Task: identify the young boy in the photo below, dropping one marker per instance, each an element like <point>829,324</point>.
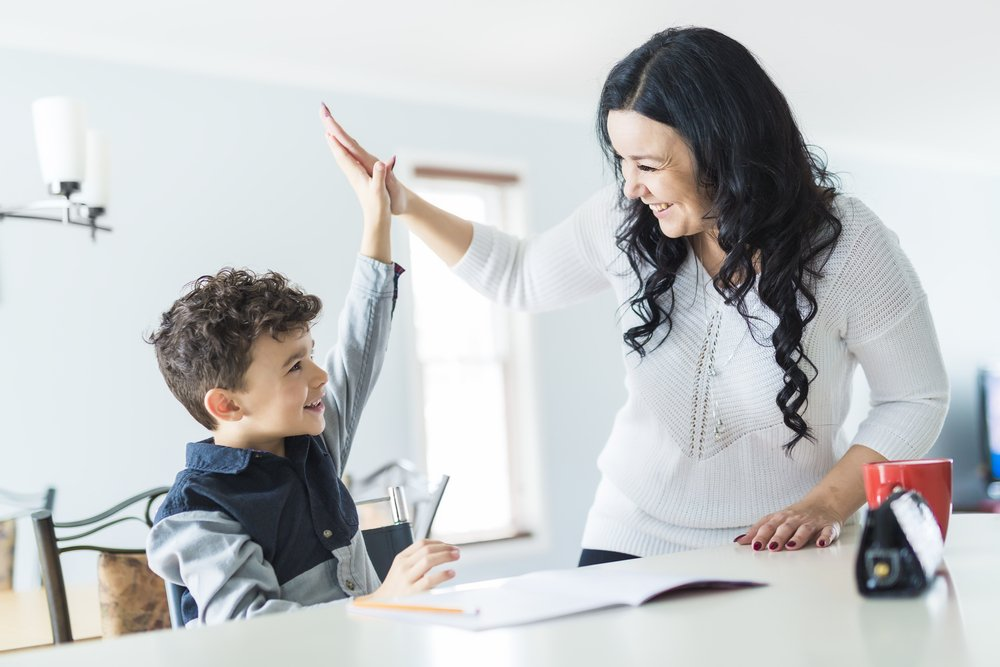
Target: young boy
<point>259,521</point>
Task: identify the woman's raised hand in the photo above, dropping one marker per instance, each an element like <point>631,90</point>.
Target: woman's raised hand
<point>411,569</point>
<point>339,138</point>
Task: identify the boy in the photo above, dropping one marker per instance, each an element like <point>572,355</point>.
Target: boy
<point>259,521</point>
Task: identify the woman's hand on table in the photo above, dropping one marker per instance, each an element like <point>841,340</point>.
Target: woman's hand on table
<point>794,527</point>
<point>411,570</point>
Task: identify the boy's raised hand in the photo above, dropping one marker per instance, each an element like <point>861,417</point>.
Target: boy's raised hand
<point>411,569</point>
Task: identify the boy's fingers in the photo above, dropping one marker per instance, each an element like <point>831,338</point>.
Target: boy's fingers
<point>378,177</point>
<point>420,562</point>
<point>436,579</point>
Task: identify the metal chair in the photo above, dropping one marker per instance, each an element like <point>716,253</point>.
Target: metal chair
<point>149,613</point>
<point>14,506</point>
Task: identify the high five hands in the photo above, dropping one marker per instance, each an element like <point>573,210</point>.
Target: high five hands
<point>355,161</point>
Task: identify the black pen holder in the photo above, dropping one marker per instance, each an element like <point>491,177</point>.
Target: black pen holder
<point>385,542</point>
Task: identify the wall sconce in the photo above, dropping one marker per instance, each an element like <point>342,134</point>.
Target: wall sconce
<point>74,165</point>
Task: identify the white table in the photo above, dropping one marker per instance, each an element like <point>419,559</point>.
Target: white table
<point>809,614</point>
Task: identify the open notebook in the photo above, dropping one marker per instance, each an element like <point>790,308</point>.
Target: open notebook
<point>534,597</point>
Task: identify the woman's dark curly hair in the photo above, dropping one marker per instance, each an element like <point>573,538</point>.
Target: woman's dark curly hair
<point>770,194</point>
<point>204,341</point>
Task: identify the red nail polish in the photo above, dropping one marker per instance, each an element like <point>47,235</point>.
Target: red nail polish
<point>739,537</point>
<point>772,546</point>
<point>790,545</point>
<point>822,543</point>
<point>757,546</point>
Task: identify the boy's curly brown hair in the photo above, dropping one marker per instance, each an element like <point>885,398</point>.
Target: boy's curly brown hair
<point>204,340</point>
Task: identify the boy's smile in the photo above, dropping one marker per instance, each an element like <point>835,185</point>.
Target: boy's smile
<point>282,395</point>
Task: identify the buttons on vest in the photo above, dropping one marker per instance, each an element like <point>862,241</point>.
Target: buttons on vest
<point>328,533</point>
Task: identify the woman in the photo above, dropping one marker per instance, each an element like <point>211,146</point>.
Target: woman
<point>750,290</point>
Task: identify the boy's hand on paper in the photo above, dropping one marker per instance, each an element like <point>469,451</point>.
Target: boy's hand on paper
<point>794,527</point>
<point>365,160</point>
<point>411,569</point>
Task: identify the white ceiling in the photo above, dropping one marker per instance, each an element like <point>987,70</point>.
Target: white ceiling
<point>886,72</point>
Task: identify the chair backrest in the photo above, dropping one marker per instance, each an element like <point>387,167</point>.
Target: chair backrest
<point>13,506</point>
<point>386,528</point>
<point>424,496</point>
<point>425,509</point>
<point>129,591</point>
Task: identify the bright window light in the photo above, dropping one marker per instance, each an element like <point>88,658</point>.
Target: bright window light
<point>464,355</point>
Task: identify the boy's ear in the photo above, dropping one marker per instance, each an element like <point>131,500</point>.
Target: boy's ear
<point>221,405</point>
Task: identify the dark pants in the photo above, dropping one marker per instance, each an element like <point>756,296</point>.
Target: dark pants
<point>596,556</point>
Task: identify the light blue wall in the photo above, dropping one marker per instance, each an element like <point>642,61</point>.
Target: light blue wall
<point>210,172</point>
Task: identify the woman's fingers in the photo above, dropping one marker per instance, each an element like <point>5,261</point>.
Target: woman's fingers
<point>360,155</point>
<point>354,171</point>
<point>828,536</point>
<point>792,528</point>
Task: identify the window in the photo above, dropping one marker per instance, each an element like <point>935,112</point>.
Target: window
<point>470,355</point>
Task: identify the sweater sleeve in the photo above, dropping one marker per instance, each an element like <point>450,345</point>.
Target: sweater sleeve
<point>355,361</point>
<point>562,266</point>
<point>223,569</point>
<point>891,333</point>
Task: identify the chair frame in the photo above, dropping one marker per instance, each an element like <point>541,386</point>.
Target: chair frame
<point>49,551</point>
<point>18,505</point>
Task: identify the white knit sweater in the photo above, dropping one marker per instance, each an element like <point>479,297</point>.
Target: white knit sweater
<point>695,454</point>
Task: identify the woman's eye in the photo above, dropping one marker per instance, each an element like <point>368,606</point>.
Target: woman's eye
<point>646,167</point>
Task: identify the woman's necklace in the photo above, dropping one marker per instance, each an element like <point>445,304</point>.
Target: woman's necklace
<point>706,417</point>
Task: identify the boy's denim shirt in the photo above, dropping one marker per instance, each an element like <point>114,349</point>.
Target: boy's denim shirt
<point>247,532</point>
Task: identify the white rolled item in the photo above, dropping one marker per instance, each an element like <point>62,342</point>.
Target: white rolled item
<point>60,138</point>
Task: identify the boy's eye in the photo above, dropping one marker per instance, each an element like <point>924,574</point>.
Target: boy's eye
<point>296,367</point>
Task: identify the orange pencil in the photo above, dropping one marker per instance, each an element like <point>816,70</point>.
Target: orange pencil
<point>375,604</point>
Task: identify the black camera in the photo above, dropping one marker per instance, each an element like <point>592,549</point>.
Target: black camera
<point>901,547</point>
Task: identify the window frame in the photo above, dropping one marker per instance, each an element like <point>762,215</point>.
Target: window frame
<point>519,386</point>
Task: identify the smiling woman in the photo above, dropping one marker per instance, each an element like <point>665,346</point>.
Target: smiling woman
<point>658,169</point>
<point>748,285</point>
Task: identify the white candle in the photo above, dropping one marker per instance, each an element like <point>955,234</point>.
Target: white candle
<point>59,135</point>
<point>96,179</point>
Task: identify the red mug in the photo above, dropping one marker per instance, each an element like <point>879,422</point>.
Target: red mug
<point>931,478</point>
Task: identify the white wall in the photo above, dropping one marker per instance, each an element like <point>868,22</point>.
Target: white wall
<point>209,172</point>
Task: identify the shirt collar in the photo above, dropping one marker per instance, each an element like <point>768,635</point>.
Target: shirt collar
<point>207,456</point>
